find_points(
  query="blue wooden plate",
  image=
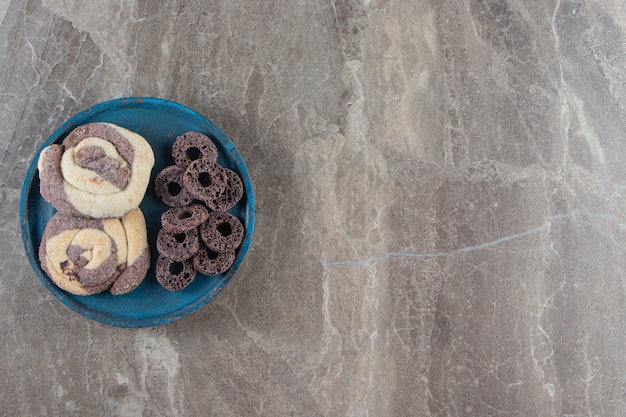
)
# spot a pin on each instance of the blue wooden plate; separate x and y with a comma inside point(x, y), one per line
point(160, 122)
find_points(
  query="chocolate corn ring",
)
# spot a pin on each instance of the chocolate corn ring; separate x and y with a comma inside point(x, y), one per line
point(191, 146)
point(169, 187)
point(174, 275)
point(231, 194)
point(212, 263)
point(177, 246)
point(182, 219)
point(204, 180)
point(222, 232)
point(100, 170)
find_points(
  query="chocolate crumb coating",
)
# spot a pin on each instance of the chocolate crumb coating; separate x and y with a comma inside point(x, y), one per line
point(177, 246)
point(222, 232)
point(182, 219)
point(212, 263)
point(132, 275)
point(169, 187)
point(174, 275)
point(51, 180)
point(231, 195)
point(191, 146)
point(101, 130)
point(204, 180)
point(76, 255)
point(95, 159)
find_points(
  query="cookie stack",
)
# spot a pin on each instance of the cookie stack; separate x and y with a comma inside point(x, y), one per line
point(95, 179)
point(198, 233)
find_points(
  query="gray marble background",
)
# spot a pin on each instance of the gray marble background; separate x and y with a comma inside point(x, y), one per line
point(441, 207)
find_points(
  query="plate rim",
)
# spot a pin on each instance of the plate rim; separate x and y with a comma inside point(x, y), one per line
point(82, 117)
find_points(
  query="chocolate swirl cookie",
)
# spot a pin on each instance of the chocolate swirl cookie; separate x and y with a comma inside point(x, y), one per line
point(100, 170)
point(86, 256)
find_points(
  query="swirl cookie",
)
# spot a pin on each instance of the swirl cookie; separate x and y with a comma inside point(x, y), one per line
point(79, 255)
point(100, 170)
point(87, 256)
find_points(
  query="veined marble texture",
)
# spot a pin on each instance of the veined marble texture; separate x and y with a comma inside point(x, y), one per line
point(441, 207)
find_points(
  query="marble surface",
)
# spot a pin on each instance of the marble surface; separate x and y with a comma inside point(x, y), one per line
point(441, 207)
